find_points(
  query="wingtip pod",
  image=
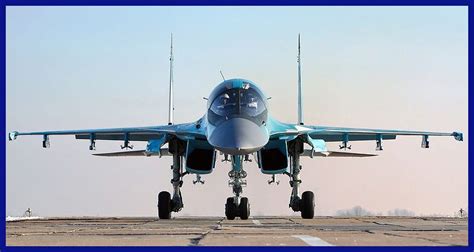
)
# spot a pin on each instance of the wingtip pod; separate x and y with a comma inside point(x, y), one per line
point(12, 135)
point(458, 136)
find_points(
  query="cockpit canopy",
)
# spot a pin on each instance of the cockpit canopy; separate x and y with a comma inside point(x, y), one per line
point(238, 101)
point(237, 98)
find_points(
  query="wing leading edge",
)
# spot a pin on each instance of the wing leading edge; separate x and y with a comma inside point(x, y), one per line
point(360, 134)
point(344, 135)
point(183, 131)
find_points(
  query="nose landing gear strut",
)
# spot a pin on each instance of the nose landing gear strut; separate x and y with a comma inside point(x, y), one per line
point(237, 206)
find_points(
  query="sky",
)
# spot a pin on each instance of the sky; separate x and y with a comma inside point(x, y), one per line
point(100, 67)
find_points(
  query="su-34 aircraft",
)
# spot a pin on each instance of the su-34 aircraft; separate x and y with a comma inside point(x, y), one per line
point(237, 123)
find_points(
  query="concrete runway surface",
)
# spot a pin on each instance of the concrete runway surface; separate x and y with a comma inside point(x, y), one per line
point(256, 231)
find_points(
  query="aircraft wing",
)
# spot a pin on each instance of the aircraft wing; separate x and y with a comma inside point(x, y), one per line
point(137, 153)
point(341, 134)
point(185, 131)
point(336, 134)
point(314, 134)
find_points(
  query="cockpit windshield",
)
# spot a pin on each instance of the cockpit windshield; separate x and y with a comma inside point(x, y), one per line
point(238, 101)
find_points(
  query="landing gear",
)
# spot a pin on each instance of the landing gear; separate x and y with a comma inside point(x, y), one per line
point(244, 208)
point(305, 204)
point(166, 203)
point(241, 210)
point(237, 206)
point(230, 209)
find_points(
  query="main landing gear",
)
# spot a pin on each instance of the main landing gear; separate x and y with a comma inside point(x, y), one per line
point(166, 202)
point(305, 204)
point(237, 206)
point(164, 205)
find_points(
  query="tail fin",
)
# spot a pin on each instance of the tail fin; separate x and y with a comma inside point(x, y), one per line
point(300, 99)
point(171, 103)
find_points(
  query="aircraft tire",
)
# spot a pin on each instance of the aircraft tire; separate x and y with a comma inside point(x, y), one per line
point(307, 205)
point(230, 209)
point(244, 208)
point(164, 205)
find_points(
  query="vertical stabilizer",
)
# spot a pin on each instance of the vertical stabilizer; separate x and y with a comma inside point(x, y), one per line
point(171, 102)
point(300, 99)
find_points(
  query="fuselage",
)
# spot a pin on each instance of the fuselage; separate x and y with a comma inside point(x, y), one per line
point(236, 117)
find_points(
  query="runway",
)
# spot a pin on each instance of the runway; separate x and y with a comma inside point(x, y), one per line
point(256, 231)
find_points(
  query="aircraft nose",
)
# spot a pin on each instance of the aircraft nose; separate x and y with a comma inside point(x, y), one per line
point(238, 136)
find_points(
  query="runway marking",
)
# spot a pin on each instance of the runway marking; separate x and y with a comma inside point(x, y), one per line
point(256, 222)
point(312, 240)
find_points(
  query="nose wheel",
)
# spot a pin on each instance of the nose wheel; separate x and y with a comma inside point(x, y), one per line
point(244, 208)
point(230, 209)
point(241, 209)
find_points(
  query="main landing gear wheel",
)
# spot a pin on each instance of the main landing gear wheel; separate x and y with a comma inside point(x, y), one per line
point(307, 205)
point(164, 205)
point(244, 208)
point(230, 209)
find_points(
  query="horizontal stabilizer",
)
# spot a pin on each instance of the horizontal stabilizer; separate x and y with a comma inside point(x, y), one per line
point(311, 153)
point(137, 153)
point(349, 154)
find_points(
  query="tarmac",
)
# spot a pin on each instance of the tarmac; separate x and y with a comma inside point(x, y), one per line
point(256, 231)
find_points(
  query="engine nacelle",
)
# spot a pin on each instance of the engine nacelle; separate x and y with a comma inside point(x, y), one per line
point(200, 157)
point(273, 157)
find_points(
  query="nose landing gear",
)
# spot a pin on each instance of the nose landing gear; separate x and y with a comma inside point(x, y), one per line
point(237, 206)
point(241, 209)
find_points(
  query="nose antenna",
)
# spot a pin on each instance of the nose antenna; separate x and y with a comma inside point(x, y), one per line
point(222, 75)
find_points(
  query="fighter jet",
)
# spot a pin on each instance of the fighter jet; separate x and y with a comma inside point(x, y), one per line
point(237, 125)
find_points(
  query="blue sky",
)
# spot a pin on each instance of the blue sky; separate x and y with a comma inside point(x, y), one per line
point(93, 67)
